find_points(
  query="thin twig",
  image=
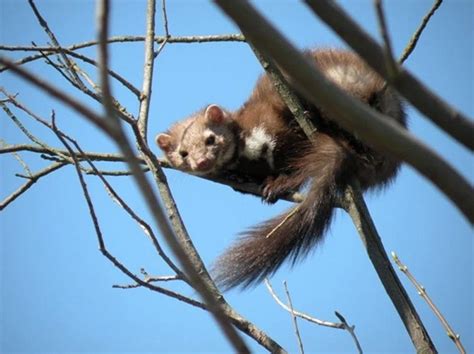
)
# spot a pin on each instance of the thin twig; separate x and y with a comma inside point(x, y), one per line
point(416, 36)
point(293, 317)
point(31, 180)
point(388, 52)
point(23, 129)
point(23, 164)
point(70, 64)
point(119, 39)
point(341, 325)
point(165, 19)
point(93, 62)
point(77, 106)
point(95, 95)
point(148, 280)
point(112, 73)
point(422, 292)
point(300, 314)
point(119, 200)
point(287, 217)
point(350, 329)
point(113, 173)
point(59, 68)
point(99, 234)
point(241, 323)
point(17, 156)
point(94, 156)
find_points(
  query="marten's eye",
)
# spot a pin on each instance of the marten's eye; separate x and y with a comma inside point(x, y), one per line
point(211, 139)
point(183, 154)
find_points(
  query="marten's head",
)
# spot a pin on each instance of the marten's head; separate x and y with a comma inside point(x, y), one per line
point(200, 144)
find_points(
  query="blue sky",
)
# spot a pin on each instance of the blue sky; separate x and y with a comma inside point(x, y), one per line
point(56, 287)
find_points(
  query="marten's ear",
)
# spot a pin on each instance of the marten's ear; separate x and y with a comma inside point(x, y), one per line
point(163, 141)
point(215, 114)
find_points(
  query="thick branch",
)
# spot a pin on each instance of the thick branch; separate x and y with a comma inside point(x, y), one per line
point(459, 126)
point(145, 96)
point(210, 297)
point(356, 208)
point(414, 325)
point(372, 127)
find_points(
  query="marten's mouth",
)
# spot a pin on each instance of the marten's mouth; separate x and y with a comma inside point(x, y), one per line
point(204, 166)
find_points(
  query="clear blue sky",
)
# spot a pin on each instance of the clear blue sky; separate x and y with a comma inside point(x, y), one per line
point(56, 287)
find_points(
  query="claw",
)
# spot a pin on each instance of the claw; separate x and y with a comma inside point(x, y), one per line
point(269, 193)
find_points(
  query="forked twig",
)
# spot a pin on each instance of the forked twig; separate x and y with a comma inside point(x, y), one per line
point(350, 329)
point(342, 325)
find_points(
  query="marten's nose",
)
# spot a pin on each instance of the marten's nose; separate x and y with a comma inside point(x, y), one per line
point(203, 164)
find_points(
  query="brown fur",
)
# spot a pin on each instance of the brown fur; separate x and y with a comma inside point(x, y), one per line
point(329, 163)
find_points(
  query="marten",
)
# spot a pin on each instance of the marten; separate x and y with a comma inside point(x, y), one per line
point(263, 142)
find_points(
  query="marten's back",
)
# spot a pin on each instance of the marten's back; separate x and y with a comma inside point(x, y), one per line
point(266, 108)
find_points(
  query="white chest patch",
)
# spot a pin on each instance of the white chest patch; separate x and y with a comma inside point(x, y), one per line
point(259, 144)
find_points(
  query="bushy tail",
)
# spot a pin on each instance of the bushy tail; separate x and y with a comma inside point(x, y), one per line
point(261, 250)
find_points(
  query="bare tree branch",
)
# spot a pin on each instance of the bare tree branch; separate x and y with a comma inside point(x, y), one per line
point(145, 96)
point(148, 280)
point(342, 325)
point(210, 297)
point(112, 73)
point(165, 19)
point(246, 187)
point(31, 180)
point(118, 39)
point(453, 122)
point(70, 63)
point(300, 314)
point(245, 16)
point(292, 101)
point(416, 36)
point(350, 329)
point(388, 52)
point(99, 234)
point(140, 133)
point(145, 227)
point(356, 208)
point(422, 292)
point(85, 111)
point(293, 317)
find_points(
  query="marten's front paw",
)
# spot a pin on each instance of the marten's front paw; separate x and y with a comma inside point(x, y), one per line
point(270, 191)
